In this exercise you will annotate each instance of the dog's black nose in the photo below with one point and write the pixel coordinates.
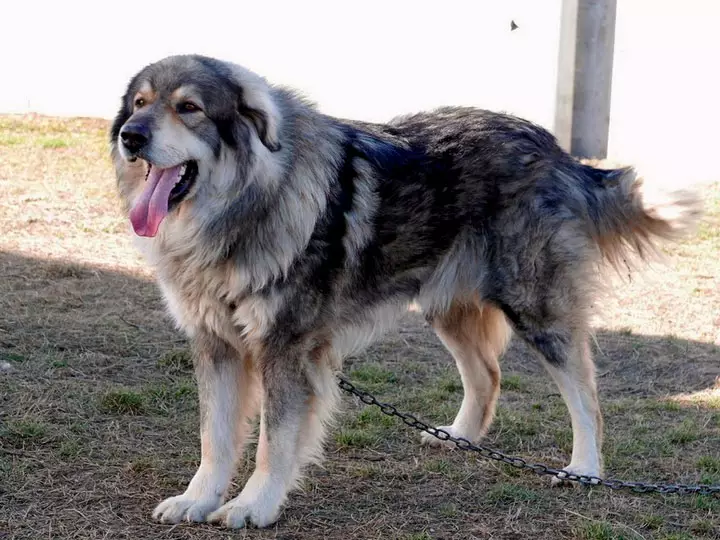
(135, 136)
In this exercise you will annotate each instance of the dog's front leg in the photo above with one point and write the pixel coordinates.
(298, 393)
(227, 395)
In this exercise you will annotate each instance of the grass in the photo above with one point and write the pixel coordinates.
(513, 382)
(348, 438)
(597, 531)
(506, 494)
(22, 433)
(54, 142)
(373, 374)
(98, 408)
(709, 464)
(687, 432)
(122, 401)
(178, 361)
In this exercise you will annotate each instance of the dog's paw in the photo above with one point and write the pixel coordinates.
(561, 481)
(184, 507)
(431, 440)
(239, 513)
(258, 504)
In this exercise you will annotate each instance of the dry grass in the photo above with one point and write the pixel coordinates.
(98, 408)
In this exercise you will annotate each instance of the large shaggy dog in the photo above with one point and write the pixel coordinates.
(284, 239)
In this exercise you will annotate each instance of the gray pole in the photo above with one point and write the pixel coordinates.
(582, 106)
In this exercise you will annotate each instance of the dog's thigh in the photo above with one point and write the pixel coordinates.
(227, 391)
(298, 396)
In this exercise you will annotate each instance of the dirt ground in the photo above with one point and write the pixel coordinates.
(98, 413)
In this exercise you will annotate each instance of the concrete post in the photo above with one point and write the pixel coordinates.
(582, 107)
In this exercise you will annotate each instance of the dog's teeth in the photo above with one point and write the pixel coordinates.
(182, 169)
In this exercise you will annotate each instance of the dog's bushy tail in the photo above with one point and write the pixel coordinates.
(628, 215)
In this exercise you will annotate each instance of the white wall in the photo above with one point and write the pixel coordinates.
(369, 59)
(666, 86)
(373, 59)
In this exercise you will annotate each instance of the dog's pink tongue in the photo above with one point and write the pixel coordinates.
(152, 206)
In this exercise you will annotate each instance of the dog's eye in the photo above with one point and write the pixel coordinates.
(139, 103)
(187, 107)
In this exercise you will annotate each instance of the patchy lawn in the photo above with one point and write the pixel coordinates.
(98, 413)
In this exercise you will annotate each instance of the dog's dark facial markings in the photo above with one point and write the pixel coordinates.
(306, 236)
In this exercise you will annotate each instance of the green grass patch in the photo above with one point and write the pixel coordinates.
(12, 357)
(448, 510)
(437, 466)
(167, 398)
(70, 448)
(178, 360)
(686, 432)
(519, 423)
(513, 382)
(598, 530)
(21, 433)
(365, 472)
(652, 522)
(661, 405)
(142, 464)
(122, 401)
(709, 464)
(712, 402)
(705, 502)
(510, 494)
(355, 438)
(450, 384)
(53, 143)
(11, 140)
(373, 374)
(372, 417)
(432, 404)
(416, 536)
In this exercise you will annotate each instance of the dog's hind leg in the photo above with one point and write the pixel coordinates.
(296, 402)
(572, 368)
(562, 340)
(476, 335)
(228, 396)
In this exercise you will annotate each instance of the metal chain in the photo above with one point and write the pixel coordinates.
(520, 463)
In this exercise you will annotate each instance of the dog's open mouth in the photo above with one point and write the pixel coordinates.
(164, 189)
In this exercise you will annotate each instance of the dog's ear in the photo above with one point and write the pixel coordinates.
(265, 123)
(256, 104)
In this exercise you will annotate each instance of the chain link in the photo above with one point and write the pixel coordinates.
(520, 463)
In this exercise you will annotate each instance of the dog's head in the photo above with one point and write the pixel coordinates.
(179, 119)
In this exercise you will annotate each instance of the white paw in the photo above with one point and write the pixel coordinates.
(184, 507)
(557, 481)
(239, 513)
(431, 440)
(258, 504)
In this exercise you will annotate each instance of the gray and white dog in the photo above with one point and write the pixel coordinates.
(284, 239)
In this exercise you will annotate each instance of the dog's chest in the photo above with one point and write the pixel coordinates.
(217, 300)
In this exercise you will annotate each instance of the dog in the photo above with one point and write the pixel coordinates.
(284, 239)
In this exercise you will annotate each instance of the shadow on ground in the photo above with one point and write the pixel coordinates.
(98, 423)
